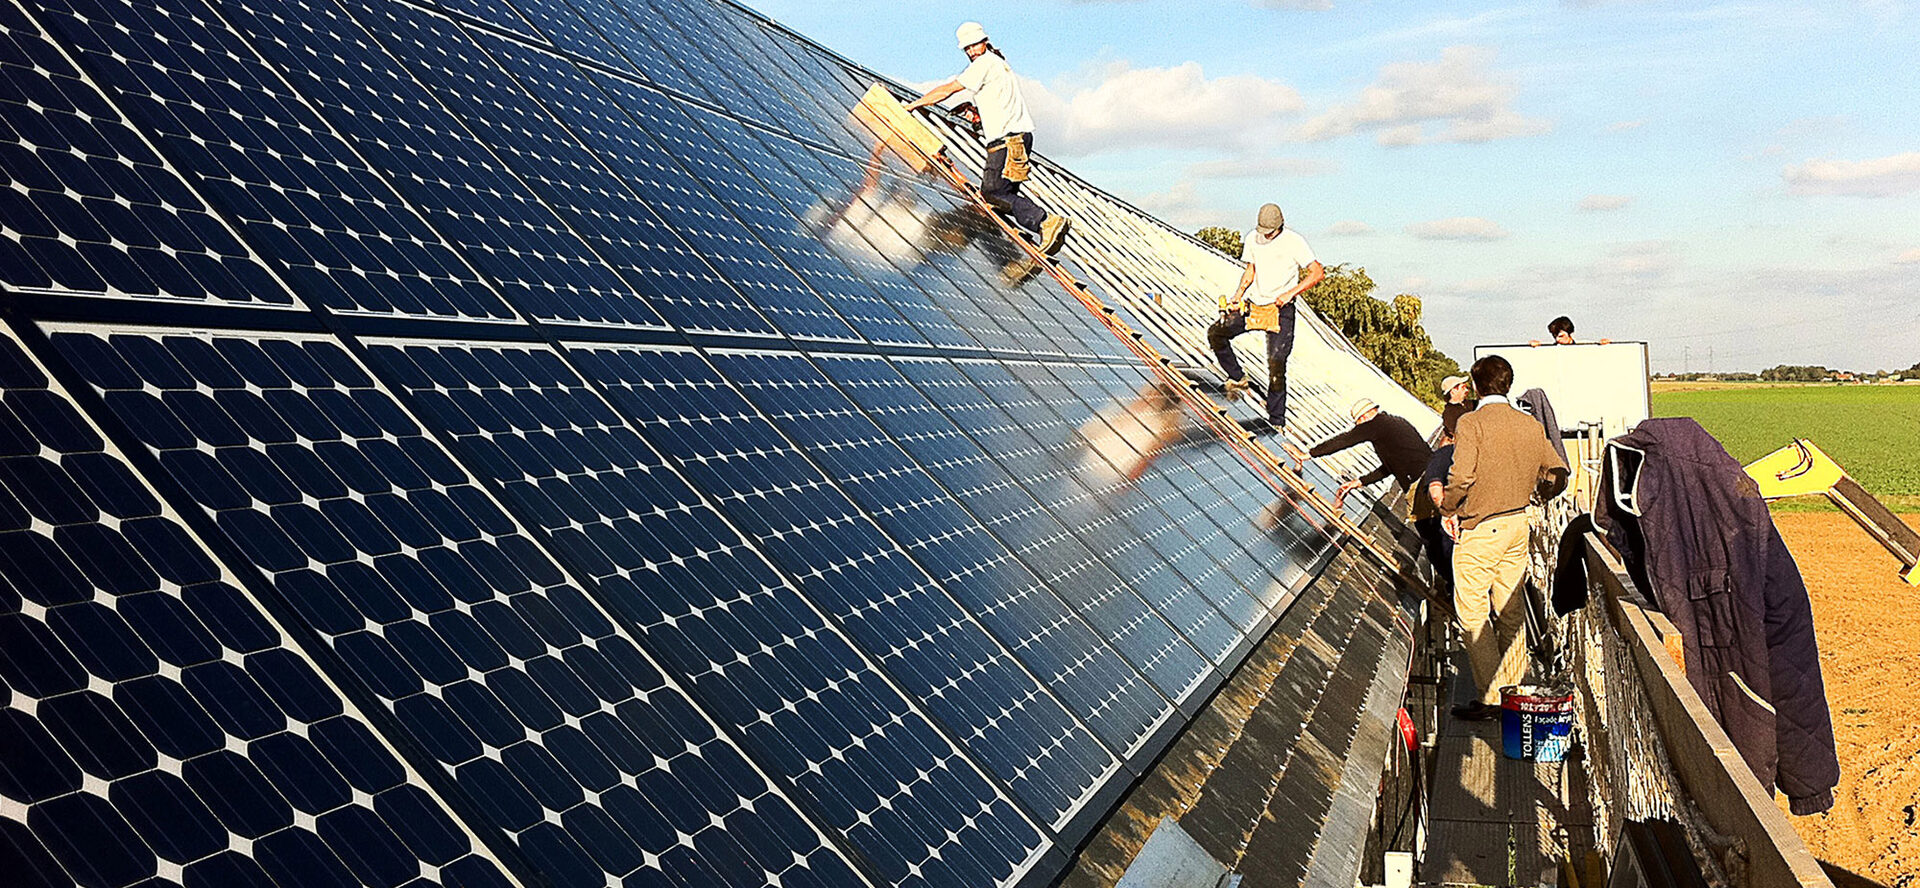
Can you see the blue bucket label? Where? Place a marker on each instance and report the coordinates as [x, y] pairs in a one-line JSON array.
[[1536, 724]]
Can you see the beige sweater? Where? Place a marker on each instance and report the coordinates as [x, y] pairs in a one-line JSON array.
[[1500, 454]]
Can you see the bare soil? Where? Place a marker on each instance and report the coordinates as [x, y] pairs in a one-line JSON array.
[[1868, 625]]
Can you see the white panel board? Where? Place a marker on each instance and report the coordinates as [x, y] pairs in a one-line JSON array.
[[1588, 383]]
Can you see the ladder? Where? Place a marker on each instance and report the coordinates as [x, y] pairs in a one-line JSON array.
[[881, 112]]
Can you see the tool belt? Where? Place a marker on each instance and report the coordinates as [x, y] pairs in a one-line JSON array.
[[1263, 317], [1017, 168]]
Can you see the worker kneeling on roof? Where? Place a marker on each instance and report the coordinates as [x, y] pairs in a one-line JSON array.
[[1008, 129]]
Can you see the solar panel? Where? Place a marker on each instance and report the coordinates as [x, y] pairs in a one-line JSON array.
[[524, 249], [893, 610], [91, 208], [696, 591], [335, 232], [158, 724], [1026, 512], [571, 744], [510, 442]]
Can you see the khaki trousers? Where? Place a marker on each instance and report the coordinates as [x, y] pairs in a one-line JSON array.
[[1489, 563]]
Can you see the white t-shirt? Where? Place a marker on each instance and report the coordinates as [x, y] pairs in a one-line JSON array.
[[1276, 263], [997, 95]]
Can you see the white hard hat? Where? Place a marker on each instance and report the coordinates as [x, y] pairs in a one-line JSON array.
[[969, 34]]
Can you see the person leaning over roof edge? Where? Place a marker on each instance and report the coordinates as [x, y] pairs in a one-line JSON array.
[[1008, 129], [1402, 452], [1280, 266]]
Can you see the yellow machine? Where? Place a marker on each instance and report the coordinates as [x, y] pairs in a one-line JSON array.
[[1801, 469]]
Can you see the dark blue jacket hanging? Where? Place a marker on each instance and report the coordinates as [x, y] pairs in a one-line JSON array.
[[1705, 550]]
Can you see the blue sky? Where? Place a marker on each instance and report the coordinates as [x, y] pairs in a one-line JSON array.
[[1738, 180]]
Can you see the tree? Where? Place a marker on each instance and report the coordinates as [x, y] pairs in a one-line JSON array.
[[1226, 240], [1388, 333], [1795, 373]]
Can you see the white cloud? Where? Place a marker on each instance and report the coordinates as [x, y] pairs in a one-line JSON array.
[[1640, 264], [1459, 228], [1910, 257], [1453, 99], [1262, 168], [1182, 206], [1117, 106], [1888, 176], [1350, 228], [1600, 203]]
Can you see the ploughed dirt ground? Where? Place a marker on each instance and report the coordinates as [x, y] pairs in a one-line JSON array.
[[1868, 625]]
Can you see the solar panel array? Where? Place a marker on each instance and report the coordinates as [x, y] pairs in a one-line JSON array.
[[499, 442]]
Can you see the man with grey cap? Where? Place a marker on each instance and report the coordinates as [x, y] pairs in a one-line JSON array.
[[1456, 389], [1280, 266], [1402, 451], [1008, 129]]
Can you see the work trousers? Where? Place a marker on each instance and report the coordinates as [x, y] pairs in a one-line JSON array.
[[1006, 195], [1439, 551], [1489, 563], [1279, 345]]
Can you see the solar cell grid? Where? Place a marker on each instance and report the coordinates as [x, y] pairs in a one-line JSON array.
[[1012, 511], [1050, 470], [842, 562], [986, 578], [813, 105], [335, 232], [686, 51], [569, 741], [455, 182], [1210, 477], [1092, 491], [641, 54], [698, 241], [718, 142], [877, 225], [567, 30], [1050, 402], [753, 652], [528, 140], [88, 206], [157, 725], [500, 14]]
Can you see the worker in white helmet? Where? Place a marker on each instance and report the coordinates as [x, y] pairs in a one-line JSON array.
[[1008, 129]]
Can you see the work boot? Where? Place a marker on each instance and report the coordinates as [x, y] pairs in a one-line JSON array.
[[1237, 388], [1053, 231]]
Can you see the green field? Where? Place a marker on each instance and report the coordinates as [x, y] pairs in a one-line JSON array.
[[1872, 431]]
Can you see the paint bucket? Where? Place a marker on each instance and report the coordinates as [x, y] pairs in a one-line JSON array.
[[1536, 723]]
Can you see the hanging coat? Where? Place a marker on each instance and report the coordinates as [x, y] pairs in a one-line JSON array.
[[1704, 548]]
